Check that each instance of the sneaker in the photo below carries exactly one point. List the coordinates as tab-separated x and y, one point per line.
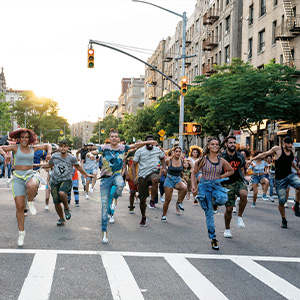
143	222
77	204
164	219
271	198
104	239
131	209
240	223
151	205
31	208
264	197
25	212
227	233
112	219
162	199
286	205
179	206
215	244
234	210
21	238
46	207
91	190
60	222
215	208
296	210
253	205
87	196
113	204
68	213
195	202
284	223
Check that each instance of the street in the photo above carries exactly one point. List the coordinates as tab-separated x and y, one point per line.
172	260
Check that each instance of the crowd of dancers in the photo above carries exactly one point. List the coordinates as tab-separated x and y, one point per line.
211	176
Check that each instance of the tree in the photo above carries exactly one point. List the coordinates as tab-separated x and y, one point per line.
5	115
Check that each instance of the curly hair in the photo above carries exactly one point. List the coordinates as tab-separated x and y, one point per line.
199	150
16	135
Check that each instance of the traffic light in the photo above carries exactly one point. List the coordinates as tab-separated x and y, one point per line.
197	128
190	128
61	132
90	58
183	86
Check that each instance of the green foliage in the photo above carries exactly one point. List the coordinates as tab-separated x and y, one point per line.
5	115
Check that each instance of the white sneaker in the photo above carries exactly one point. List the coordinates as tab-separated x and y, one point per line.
46	207
239	222
234	210
272	198
286	205
227	233
87	196
162	199
31	207
112	219
264	198
91	190
21	238
113	204
104	239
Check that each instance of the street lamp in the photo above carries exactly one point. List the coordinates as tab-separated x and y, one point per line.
183	57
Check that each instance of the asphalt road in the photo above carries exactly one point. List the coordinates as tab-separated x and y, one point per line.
172	260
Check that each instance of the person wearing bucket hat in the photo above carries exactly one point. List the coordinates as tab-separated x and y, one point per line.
25	182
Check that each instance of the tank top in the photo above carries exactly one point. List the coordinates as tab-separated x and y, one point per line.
283	165
210	170
175	171
24	159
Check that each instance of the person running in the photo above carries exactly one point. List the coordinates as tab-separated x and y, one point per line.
83	151
187	172
174	181
75	185
112	155
211	165
148	158
284	176
259	177
235	185
61	179
25	183
194	154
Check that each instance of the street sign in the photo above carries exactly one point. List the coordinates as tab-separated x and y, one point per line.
237	132
161	138
161	132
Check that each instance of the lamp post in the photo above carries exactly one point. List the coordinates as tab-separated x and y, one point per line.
183	57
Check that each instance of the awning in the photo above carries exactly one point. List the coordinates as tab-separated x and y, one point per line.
282	132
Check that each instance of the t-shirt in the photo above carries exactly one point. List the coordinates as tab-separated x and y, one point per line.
192	160
259	169
38	156
237	161
112	159
62	167
83	153
148	160
90	164
129	159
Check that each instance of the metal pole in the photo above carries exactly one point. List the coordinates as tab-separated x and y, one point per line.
99	132
64	132
25	116
181	111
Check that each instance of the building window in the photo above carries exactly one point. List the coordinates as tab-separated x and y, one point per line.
281	59
220	32
227	25
197	48
274	24
226	2
220	58
262	7
226	57
250	44
275	2
198	26
261	41
251	14
196	71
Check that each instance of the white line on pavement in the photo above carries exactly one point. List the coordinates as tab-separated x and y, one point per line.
37	285
122	283
278	284
198	283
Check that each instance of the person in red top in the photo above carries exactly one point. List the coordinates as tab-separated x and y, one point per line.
75	185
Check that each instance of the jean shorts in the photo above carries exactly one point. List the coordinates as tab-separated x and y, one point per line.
257	178
282	184
171	181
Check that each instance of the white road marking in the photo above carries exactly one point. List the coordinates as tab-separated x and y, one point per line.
278	284
122	283
37	285
198	283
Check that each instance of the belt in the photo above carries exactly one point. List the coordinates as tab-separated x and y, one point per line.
259	174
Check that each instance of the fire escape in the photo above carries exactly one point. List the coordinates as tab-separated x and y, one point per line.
210	40
287	30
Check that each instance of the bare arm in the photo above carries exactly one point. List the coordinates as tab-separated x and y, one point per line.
46	147
275	150
4	149
82	171
228	168
142	144
133	168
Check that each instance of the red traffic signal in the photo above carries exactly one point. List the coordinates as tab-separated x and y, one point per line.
183	86
90	58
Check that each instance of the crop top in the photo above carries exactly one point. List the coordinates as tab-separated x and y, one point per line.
24	159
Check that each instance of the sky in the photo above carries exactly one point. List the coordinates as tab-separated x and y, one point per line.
43	47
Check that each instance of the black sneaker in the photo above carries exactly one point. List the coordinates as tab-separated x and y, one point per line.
143	222
60	222
215	244
179	206
68	213
284	223
296	209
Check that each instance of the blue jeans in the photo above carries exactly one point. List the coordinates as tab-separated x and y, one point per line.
111	195
106	185
282	184
207	190
75	185
272	182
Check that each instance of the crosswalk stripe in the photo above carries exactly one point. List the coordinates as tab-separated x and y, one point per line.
197	282
37	285
122	283
278	284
